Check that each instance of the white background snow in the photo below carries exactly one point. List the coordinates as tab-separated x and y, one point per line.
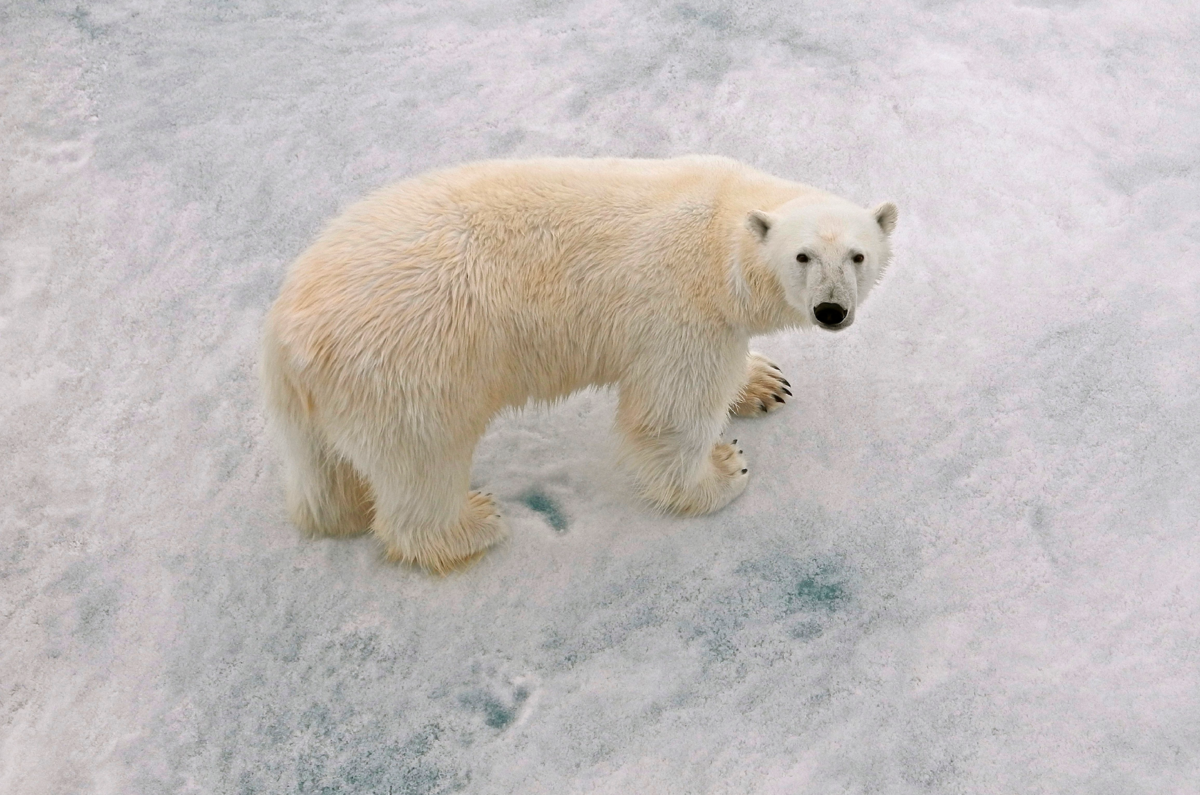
968	560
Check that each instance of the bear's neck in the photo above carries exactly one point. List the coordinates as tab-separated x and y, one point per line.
757	303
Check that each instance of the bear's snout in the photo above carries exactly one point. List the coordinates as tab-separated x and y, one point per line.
829	315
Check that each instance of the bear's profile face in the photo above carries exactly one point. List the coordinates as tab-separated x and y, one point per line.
826	256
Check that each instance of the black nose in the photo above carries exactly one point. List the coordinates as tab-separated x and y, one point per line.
830	314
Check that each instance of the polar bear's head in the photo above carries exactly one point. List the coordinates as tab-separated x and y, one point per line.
827	255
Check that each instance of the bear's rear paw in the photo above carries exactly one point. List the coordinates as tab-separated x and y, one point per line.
457	547
765	390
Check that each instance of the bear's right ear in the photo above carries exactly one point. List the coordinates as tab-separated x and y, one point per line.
885	215
760	223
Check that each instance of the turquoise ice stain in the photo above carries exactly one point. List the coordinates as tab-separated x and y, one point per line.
496	714
537	500
824	589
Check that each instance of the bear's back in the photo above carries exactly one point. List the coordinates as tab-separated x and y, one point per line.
584	255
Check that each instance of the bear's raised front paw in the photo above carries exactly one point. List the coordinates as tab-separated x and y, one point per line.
765	390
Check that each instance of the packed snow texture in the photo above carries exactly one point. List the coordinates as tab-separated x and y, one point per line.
968	558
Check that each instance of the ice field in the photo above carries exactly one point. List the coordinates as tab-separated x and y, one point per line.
968	560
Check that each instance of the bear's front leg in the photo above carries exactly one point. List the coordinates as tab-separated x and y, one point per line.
765	388
670	433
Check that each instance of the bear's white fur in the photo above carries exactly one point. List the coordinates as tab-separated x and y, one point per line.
434	304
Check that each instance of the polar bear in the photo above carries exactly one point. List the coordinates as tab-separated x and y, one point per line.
432	305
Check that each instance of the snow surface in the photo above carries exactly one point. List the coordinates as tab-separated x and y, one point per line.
968	558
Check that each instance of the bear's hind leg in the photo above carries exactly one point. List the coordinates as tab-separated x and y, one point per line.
325	495
424	513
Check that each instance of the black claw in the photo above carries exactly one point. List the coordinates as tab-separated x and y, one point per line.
741	451
778	399
776	369
788	391
762	406
744	471
785	382
735	441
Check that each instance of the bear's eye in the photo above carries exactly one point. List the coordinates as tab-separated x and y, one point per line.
857	257
801	257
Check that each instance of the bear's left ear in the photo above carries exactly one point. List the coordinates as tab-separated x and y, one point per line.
885	215
760	222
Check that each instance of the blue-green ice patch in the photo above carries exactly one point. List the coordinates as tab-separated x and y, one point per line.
539	501
822	589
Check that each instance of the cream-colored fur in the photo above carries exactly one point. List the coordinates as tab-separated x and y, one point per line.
434	304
